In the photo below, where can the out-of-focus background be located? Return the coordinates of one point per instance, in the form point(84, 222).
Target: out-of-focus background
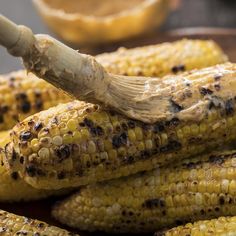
point(187, 13)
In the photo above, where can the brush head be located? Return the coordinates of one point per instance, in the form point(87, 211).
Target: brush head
point(183, 96)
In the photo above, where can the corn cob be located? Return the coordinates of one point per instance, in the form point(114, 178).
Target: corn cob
point(162, 59)
point(77, 143)
point(194, 189)
point(222, 226)
point(13, 188)
point(11, 225)
point(22, 95)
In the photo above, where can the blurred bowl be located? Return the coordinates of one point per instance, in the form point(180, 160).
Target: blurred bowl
point(87, 22)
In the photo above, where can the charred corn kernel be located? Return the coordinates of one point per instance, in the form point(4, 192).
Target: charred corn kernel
point(22, 95)
point(186, 191)
point(216, 227)
point(161, 140)
point(12, 187)
point(161, 59)
point(11, 224)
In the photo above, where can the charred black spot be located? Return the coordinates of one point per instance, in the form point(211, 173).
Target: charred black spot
point(13, 155)
point(216, 159)
point(4, 109)
point(131, 213)
point(61, 175)
point(178, 68)
point(146, 127)
point(124, 126)
point(14, 175)
point(205, 91)
point(22, 160)
point(221, 200)
point(63, 152)
point(21, 96)
point(129, 160)
point(41, 225)
point(158, 127)
point(217, 209)
point(145, 154)
point(217, 87)
point(194, 140)
point(191, 165)
point(175, 107)
point(179, 222)
point(31, 170)
point(131, 124)
point(118, 128)
point(99, 131)
point(24, 136)
point(82, 124)
point(25, 106)
point(173, 122)
point(229, 107)
point(119, 140)
point(173, 145)
point(37, 94)
point(1, 118)
point(38, 104)
point(202, 212)
point(154, 203)
point(3, 229)
point(21, 232)
point(112, 112)
point(38, 126)
point(88, 122)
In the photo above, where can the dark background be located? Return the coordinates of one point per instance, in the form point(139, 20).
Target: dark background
point(214, 13)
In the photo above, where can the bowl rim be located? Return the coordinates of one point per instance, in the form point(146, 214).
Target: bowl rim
point(61, 14)
point(207, 31)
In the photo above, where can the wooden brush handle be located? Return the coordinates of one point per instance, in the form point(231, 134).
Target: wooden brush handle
point(78, 74)
point(15, 38)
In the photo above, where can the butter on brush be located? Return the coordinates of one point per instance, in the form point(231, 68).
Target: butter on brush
point(83, 77)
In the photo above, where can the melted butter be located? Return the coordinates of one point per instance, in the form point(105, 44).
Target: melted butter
point(191, 93)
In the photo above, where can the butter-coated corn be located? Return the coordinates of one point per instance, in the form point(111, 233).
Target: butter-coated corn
point(223, 226)
point(22, 95)
point(13, 188)
point(162, 59)
point(13, 225)
point(77, 143)
point(194, 189)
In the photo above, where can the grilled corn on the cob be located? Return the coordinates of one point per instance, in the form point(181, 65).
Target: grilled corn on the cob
point(216, 227)
point(77, 143)
point(161, 59)
point(13, 188)
point(22, 95)
point(201, 188)
point(11, 225)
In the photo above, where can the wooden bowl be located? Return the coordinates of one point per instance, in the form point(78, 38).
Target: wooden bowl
point(86, 22)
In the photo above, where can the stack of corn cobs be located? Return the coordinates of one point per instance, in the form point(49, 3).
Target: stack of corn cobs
point(151, 177)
